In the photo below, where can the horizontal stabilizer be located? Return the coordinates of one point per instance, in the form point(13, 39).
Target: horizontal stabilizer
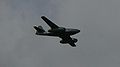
point(39, 29)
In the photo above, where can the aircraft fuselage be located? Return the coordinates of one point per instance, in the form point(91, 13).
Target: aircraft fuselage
point(60, 33)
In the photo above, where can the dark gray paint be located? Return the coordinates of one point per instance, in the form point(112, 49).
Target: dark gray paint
point(98, 44)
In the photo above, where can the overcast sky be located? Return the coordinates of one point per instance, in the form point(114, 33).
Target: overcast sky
point(99, 39)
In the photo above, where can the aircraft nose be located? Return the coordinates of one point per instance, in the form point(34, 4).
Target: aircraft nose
point(77, 31)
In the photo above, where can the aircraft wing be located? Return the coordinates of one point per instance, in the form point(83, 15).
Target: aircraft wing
point(69, 40)
point(50, 23)
point(72, 44)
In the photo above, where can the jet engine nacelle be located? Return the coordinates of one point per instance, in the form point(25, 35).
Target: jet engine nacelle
point(67, 41)
point(63, 42)
point(74, 40)
point(61, 29)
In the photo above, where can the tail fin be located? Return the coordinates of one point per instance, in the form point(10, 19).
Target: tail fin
point(39, 29)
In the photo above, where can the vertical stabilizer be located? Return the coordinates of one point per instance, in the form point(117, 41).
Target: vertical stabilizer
point(39, 29)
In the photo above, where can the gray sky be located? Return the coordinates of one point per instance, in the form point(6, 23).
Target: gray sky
point(99, 40)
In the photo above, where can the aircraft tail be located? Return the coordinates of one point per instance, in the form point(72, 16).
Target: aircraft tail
point(39, 29)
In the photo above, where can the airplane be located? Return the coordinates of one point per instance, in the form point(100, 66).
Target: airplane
point(61, 32)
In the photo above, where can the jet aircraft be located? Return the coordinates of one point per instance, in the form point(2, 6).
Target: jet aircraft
point(61, 32)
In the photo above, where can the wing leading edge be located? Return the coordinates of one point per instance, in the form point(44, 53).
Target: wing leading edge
point(50, 23)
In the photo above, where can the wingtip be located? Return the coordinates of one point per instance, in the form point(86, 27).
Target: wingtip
point(42, 16)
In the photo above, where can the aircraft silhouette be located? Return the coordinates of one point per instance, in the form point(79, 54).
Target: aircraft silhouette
point(61, 32)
